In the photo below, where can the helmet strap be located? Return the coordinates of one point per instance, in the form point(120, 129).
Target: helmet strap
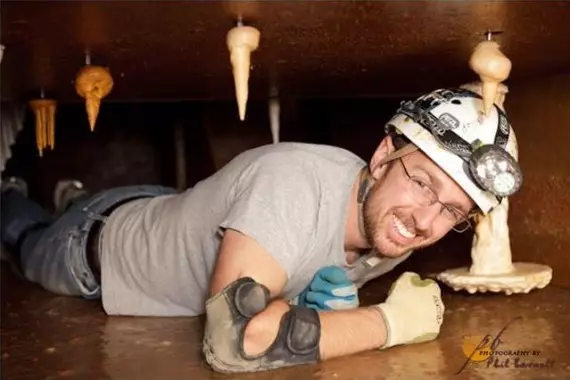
point(404, 151)
point(365, 181)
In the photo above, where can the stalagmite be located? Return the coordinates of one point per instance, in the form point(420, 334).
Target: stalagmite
point(491, 248)
point(241, 41)
point(492, 269)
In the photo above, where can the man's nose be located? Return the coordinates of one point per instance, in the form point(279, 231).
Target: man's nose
point(425, 216)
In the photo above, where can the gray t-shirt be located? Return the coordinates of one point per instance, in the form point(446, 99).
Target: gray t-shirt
point(157, 255)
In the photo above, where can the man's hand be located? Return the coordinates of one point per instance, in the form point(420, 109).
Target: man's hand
point(330, 290)
point(413, 311)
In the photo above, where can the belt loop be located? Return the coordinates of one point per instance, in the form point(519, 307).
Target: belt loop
point(92, 215)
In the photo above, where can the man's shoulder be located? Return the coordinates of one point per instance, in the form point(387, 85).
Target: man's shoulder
point(292, 169)
point(306, 155)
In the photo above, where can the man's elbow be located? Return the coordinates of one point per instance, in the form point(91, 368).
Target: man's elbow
point(231, 352)
point(227, 314)
point(245, 334)
point(262, 329)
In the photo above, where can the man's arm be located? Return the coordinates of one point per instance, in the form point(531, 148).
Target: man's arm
point(246, 331)
point(241, 256)
point(342, 332)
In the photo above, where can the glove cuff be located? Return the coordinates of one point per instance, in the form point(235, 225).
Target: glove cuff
point(390, 315)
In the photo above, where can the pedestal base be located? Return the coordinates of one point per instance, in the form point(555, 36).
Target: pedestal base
point(522, 279)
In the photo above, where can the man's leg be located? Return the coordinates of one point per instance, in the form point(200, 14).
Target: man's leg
point(57, 258)
point(66, 193)
point(43, 249)
point(22, 220)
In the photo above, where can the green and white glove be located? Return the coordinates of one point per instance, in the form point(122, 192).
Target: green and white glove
point(413, 311)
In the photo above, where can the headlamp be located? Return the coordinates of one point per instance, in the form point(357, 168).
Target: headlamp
point(495, 170)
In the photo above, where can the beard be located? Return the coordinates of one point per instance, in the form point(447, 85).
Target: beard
point(376, 227)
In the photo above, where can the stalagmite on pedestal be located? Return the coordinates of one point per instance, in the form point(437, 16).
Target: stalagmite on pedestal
point(44, 112)
point(93, 83)
point(241, 41)
point(492, 268)
point(492, 66)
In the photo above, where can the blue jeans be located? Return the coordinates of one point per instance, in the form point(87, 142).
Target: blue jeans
point(55, 255)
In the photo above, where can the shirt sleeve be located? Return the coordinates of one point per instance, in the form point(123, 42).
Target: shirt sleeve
point(276, 204)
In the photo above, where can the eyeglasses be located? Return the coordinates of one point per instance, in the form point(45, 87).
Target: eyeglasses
point(426, 196)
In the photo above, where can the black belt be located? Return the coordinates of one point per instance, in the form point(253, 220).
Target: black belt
point(94, 235)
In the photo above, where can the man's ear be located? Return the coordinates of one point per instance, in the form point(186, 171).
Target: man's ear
point(385, 148)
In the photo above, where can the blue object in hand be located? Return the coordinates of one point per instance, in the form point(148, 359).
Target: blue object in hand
point(330, 290)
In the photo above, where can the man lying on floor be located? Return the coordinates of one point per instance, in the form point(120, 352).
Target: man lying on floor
point(278, 237)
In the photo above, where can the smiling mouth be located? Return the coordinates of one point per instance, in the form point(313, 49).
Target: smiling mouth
point(401, 228)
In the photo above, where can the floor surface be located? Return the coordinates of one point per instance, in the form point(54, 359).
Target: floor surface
point(49, 337)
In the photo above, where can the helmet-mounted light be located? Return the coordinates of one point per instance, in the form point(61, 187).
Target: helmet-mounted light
point(490, 166)
point(495, 170)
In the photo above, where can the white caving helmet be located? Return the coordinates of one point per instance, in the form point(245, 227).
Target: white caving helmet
point(479, 152)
